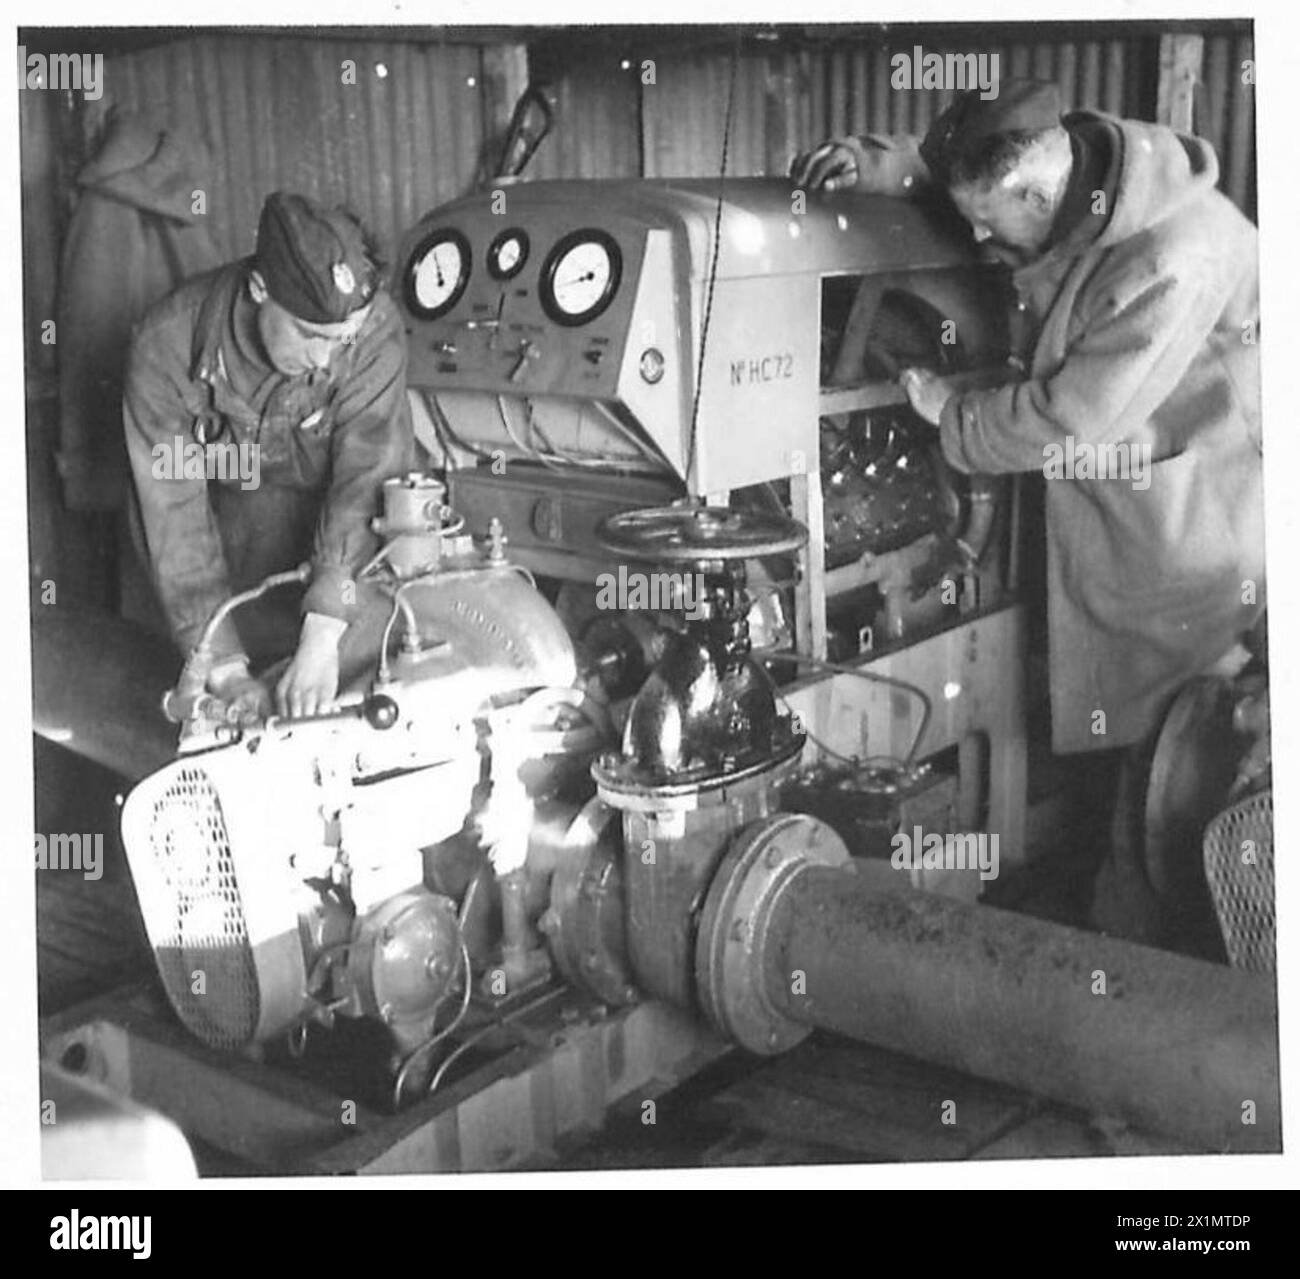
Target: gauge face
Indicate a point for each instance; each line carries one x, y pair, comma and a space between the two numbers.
508, 254
437, 273
580, 277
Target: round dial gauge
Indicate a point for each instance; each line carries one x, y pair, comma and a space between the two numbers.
508, 254
580, 277
437, 273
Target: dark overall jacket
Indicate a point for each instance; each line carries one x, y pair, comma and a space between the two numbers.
326, 442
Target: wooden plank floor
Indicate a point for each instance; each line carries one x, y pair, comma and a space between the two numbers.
830, 1101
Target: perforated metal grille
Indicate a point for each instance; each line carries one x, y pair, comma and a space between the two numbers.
1239, 868
199, 932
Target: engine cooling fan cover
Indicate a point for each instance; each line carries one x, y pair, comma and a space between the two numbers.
1238, 854
218, 903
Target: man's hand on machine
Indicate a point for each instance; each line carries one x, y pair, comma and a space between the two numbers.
927, 393
246, 697
871, 165
833, 166
311, 682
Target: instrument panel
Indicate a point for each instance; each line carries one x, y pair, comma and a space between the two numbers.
539, 305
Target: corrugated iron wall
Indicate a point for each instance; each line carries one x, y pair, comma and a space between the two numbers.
793, 93
275, 112
412, 132
597, 133
788, 99
1225, 113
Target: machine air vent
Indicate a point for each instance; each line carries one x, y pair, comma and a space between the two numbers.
1242, 888
181, 860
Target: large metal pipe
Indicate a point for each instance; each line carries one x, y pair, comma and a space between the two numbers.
795, 935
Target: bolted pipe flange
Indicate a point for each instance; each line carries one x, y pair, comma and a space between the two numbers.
583, 924
731, 944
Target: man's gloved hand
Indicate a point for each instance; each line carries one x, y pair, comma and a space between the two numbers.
927, 392
247, 697
872, 165
311, 683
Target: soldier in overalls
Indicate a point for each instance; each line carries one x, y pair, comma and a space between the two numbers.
264, 408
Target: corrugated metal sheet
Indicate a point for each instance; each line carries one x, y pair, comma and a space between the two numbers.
597, 128
44, 180
1225, 113
787, 99
275, 112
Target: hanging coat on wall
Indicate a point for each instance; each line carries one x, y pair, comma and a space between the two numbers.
134, 236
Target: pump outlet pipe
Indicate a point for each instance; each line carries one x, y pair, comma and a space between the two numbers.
795, 934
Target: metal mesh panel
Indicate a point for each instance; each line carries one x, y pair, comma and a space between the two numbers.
1242, 889
203, 929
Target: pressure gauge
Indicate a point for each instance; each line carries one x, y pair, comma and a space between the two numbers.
437, 273
508, 253
580, 276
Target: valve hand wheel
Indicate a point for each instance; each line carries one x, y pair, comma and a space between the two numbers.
695, 534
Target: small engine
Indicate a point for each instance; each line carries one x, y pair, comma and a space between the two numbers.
467, 827
286, 871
